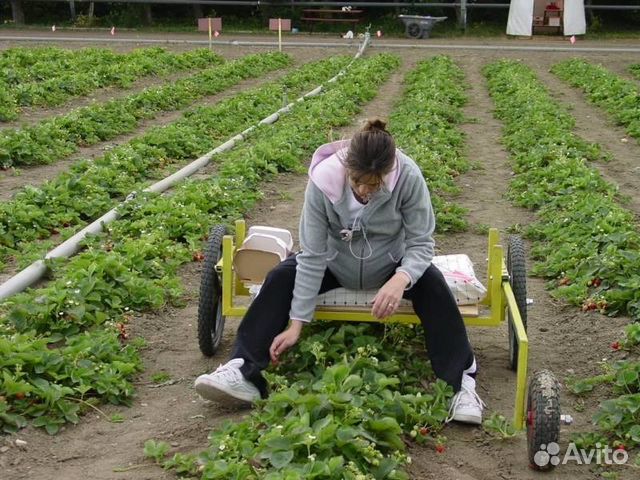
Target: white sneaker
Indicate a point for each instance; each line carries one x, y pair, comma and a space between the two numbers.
466, 405
225, 383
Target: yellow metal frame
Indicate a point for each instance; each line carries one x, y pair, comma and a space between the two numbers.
499, 298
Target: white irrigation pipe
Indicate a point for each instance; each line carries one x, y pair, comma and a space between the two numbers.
71, 246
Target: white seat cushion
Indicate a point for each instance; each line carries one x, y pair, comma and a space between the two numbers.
457, 270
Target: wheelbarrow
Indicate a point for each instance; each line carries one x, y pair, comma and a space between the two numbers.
417, 26
225, 280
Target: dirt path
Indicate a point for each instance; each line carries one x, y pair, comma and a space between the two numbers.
622, 69
13, 180
561, 337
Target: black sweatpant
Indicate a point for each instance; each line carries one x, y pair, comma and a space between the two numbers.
445, 334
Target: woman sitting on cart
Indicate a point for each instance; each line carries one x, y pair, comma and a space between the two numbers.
367, 223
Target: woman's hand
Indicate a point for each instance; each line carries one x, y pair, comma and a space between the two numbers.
285, 340
387, 300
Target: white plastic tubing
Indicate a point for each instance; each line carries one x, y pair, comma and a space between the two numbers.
71, 246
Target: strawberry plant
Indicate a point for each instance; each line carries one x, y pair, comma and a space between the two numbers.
620, 97
343, 417
584, 240
88, 189
93, 68
133, 265
346, 399
425, 126
55, 138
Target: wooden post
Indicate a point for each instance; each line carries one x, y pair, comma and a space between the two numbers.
209, 33
72, 9
91, 10
17, 12
279, 34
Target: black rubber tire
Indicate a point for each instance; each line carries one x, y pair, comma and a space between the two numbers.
414, 30
543, 420
210, 318
516, 266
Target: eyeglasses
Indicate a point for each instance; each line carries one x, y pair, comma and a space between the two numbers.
372, 183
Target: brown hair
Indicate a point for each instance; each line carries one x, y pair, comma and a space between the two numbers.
372, 150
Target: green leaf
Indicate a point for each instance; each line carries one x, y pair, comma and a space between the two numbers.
281, 458
386, 424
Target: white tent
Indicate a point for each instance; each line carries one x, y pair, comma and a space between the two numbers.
523, 12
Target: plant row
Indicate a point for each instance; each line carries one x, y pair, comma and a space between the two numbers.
584, 240
33, 65
425, 124
132, 267
90, 74
90, 188
340, 410
345, 415
619, 97
21, 64
347, 402
56, 138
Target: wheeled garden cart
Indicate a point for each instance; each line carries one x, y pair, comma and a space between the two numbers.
417, 26
225, 280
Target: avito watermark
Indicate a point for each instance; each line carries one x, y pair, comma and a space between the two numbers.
601, 455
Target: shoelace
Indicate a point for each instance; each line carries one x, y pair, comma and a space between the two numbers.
473, 399
229, 374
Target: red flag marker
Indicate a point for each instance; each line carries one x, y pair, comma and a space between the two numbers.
216, 33
113, 30
572, 39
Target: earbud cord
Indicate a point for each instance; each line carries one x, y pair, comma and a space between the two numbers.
357, 223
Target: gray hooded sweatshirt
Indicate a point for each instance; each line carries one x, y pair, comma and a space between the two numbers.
393, 232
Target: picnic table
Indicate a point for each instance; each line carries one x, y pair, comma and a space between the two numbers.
312, 16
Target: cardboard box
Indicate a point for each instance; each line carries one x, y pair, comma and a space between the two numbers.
554, 21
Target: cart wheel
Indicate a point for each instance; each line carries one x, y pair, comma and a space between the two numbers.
518, 280
543, 421
210, 318
414, 30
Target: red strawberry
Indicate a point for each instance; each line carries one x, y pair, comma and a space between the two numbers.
440, 448
198, 256
616, 346
424, 431
122, 331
